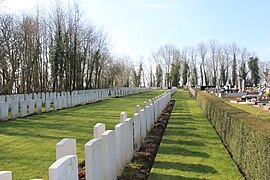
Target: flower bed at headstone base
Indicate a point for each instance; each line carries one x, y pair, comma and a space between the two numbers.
140, 166
246, 137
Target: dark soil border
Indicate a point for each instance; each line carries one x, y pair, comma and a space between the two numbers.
140, 166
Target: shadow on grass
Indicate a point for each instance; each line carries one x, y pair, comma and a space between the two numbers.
199, 168
34, 135
156, 176
183, 142
182, 133
180, 127
174, 149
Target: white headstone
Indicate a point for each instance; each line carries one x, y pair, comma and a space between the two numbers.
2, 98
47, 95
55, 104
22, 97
31, 103
143, 127
120, 148
152, 115
99, 129
155, 112
23, 108
48, 105
88, 99
137, 131
43, 97
123, 117
69, 101
16, 97
109, 155
14, 109
84, 98
60, 102
65, 147
129, 139
73, 101
39, 105
64, 168
138, 109
52, 95
35, 96
27, 97
148, 119
145, 105
81, 97
93, 160
64, 103
4, 111
5, 175
8, 98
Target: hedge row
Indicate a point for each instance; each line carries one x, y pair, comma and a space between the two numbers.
245, 136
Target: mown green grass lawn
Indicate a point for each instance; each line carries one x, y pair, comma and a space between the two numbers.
190, 148
259, 113
27, 145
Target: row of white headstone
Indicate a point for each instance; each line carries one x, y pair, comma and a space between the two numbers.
22, 105
25, 107
126, 91
109, 151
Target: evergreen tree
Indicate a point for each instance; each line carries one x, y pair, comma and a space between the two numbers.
222, 75
137, 76
253, 65
159, 75
185, 73
242, 71
234, 67
194, 80
175, 75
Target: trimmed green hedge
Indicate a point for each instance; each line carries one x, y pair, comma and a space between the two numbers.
245, 136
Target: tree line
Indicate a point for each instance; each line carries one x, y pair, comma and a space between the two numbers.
57, 49
210, 63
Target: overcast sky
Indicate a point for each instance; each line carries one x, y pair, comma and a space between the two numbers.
138, 27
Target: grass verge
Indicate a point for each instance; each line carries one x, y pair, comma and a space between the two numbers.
190, 148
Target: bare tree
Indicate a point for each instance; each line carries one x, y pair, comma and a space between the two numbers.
165, 56
214, 48
265, 72
193, 65
202, 50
